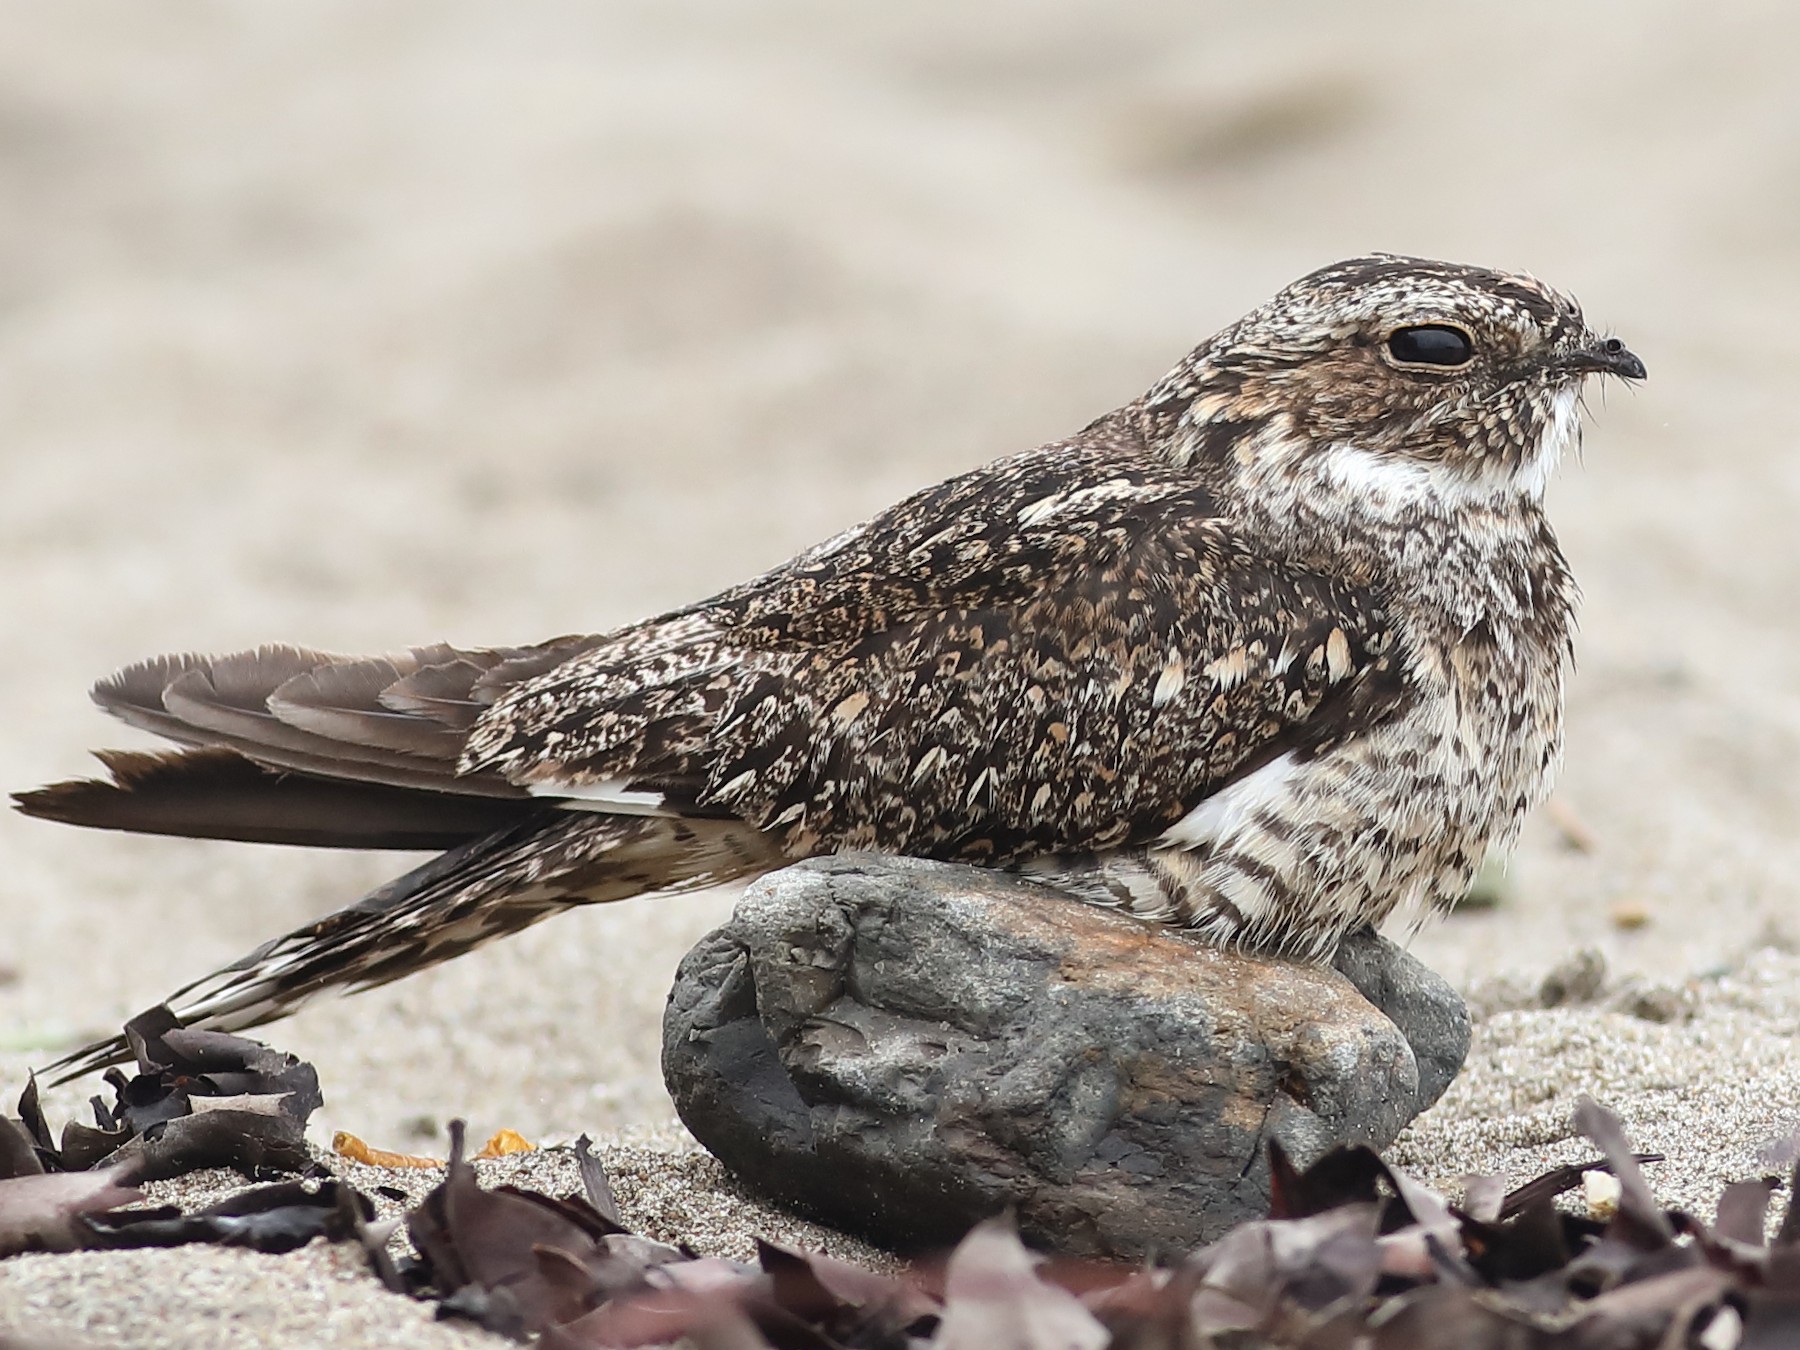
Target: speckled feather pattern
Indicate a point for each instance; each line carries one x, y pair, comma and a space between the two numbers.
1058, 652
1271, 651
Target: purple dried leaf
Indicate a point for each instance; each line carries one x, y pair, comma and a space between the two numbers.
1431, 1246
1559, 1180
1483, 1195
1611, 1261
1532, 1245
170, 1118
1239, 1285
1639, 1222
567, 1286
659, 1314
1437, 1317
596, 1184
619, 1265
149, 1100
176, 1064
83, 1146
848, 1284
1263, 1269
1347, 1175
1743, 1211
31, 1116
1138, 1292
847, 1302
272, 1219
251, 1142
994, 1300
1337, 1260
1788, 1235
621, 1325
428, 1227
495, 1310
1772, 1316
45, 1212
219, 1052
1654, 1311
1149, 1310
144, 1034
373, 1238
574, 1209
630, 1258
1428, 1208
492, 1236
709, 1277
727, 1329
18, 1155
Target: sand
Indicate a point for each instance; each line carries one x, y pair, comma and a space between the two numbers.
358, 327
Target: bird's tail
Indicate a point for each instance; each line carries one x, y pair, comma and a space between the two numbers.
484, 889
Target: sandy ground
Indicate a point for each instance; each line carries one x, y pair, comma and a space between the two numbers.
362, 326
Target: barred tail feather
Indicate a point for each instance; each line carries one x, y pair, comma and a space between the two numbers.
485, 889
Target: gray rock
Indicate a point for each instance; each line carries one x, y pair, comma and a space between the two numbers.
1415, 998
902, 1048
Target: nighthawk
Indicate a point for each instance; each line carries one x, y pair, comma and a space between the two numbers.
1268, 652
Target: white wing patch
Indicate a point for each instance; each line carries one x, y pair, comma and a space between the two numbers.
610, 796
1076, 501
1228, 810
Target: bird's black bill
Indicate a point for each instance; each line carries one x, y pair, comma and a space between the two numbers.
1610, 357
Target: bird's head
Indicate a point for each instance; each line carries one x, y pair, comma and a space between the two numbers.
1427, 383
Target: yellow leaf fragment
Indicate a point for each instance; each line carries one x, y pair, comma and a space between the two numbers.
504, 1142
347, 1145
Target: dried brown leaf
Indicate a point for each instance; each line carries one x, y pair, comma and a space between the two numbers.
18, 1155
44, 1213
1483, 1197
276, 1218
994, 1300
1743, 1211
1639, 1221
595, 1184
847, 1302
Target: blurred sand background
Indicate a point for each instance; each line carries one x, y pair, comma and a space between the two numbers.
358, 326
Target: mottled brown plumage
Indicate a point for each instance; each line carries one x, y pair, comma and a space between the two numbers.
1270, 651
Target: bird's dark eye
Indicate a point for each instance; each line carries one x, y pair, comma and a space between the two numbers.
1431, 344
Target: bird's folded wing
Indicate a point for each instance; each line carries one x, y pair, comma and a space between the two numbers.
1016, 662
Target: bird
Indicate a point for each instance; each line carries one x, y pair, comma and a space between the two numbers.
1269, 653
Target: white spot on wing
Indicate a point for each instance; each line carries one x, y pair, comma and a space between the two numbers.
1230, 808
610, 795
1081, 499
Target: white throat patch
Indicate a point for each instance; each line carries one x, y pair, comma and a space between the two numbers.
1392, 484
